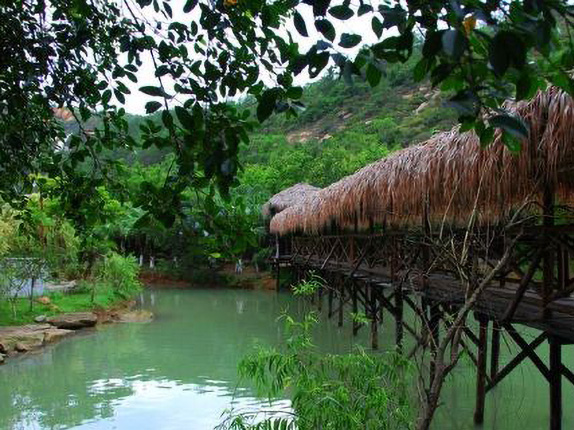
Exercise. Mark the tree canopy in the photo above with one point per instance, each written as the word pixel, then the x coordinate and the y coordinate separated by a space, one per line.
pixel 89 56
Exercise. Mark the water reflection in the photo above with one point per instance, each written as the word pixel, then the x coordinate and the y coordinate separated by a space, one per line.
pixel 180 372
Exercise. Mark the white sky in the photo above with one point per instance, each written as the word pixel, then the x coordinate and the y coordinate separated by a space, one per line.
pixel 135 102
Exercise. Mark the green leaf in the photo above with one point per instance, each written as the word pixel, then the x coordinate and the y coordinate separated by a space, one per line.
pixel 513 125
pixel 327 29
pixel 486 136
pixel 365 8
pixel 506 48
pixel 349 40
pixel 121 98
pixel 184 118
pixel 512 142
pixel 320 7
pixel 373 75
pixel 190 5
pixel 300 24
pixel 106 97
pixel 267 103
pixel 341 12
pixel 317 63
pixel 295 93
pixel 377 26
pixel 122 88
pixel 421 69
pixel 151 107
pixel 154 91
pixel 167 119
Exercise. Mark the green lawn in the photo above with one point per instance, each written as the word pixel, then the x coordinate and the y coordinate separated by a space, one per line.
pixel 60 303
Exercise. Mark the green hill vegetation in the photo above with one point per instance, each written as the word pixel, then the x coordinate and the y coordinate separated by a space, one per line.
pixel 342 127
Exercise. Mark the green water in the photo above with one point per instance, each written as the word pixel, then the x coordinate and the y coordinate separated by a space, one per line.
pixel 179 372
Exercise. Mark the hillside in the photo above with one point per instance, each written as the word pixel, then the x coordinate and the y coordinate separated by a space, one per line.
pixel 342 128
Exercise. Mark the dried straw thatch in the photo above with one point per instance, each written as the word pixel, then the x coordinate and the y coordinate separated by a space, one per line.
pixel 449 176
pixel 287 198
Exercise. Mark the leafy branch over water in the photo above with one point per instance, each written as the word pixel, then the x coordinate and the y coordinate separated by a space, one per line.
pixel 350 391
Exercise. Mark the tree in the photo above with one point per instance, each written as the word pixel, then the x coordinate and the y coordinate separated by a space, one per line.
pixel 84 55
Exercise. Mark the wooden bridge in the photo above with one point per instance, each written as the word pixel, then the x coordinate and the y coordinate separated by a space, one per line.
pixel 384 273
pixel 447 227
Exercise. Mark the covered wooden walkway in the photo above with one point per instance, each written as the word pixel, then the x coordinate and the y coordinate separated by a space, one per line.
pixel 446 223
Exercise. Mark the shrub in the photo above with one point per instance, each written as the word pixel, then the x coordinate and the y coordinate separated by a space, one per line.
pixel 120 273
pixel 353 391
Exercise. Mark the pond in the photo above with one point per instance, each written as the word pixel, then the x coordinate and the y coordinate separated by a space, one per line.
pixel 180 372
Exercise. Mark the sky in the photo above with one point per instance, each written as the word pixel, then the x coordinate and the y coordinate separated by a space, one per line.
pixel 135 102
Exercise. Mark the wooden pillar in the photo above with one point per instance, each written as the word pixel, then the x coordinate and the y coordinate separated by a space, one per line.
pixel 320 298
pixel 495 350
pixel 398 298
pixel 548 258
pixel 341 301
pixel 555 382
pixel 355 308
pixel 399 318
pixel 373 317
pixel 381 307
pixel 481 369
pixel 278 274
pixel 330 301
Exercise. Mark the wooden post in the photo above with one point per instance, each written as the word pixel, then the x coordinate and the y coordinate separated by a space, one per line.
pixel 374 322
pixel 320 298
pixel 278 282
pixel 355 308
pixel 398 298
pixel 495 350
pixel 330 302
pixel 548 258
pixel 341 302
pixel 399 318
pixel 481 369
pixel 555 382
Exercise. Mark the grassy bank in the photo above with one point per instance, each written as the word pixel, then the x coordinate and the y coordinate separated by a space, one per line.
pixel 59 303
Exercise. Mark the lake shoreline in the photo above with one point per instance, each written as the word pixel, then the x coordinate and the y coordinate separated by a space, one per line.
pixel 16 340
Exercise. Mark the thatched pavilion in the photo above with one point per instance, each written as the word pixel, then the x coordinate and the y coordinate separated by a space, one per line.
pixel 288 197
pixel 433 227
pixel 450 176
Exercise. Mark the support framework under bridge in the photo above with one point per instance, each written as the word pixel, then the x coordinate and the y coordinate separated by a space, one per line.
pixel 386 273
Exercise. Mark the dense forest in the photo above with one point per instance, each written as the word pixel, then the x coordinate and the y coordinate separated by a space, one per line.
pixel 341 128
pixel 242 100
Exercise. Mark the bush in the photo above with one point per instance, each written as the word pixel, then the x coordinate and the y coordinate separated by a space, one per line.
pixel 353 391
pixel 120 273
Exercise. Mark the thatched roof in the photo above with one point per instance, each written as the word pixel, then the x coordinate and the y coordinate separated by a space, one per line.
pixel 449 175
pixel 287 198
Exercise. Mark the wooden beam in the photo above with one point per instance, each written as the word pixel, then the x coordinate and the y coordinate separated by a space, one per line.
pixel 495 350
pixel 568 374
pixel 524 282
pixel 519 340
pixel 519 358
